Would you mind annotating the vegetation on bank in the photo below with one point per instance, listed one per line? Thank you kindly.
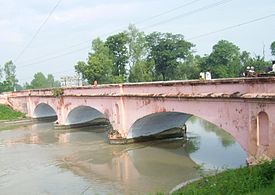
(254, 180)
(7, 113)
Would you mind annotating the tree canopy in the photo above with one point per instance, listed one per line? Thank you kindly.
(41, 81)
(272, 47)
(99, 66)
(8, 73)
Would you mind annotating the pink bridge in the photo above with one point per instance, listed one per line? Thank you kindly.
(245, 108)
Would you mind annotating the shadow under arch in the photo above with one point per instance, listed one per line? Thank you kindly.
(44, 112)
(83, 116)
(157, 123)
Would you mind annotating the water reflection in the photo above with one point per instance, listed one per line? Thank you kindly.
(38, 159)
(138, 167)
(217, 148)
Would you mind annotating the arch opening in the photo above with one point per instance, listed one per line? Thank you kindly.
(262, 129)
(163, 124)
(44, 112)
(85, 116)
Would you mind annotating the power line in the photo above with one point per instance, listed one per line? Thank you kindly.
(167, 12)
(38, 30)
(158, 15)
(231, 27)
(189, 13)
(191, 38)
(53, 57)
(139, 22)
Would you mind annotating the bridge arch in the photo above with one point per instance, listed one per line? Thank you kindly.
(156, 123)
(84, 116)
(44, 111)
(215, 115)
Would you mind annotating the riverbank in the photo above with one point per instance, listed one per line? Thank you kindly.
(7, 114)
(253, 180)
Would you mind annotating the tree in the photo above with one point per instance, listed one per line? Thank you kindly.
(50, 80)
(188, 69)
(9, 70)
(142, 71)
(99, 65)
(39, 81)
(224, 60)
(272, 47)
(258, 62)
(167, 51)
(0, 73)
(137, 45)
(117, 45)
(5, 86)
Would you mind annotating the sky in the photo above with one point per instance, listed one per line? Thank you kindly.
(65, 37)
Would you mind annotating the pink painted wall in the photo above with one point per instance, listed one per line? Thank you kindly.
(233, 104)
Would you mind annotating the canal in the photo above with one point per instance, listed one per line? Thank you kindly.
(36, 159)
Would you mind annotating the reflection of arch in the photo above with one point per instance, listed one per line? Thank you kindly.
(43, 110)
(262, 129)
(84, 115)
(157, 123)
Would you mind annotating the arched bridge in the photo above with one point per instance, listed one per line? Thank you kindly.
(243, 107)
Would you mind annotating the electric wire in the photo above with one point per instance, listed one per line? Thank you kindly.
(37, 31)
(170, 19)
(231, 27)
(191, 38)
(122, 28)
(188, 13)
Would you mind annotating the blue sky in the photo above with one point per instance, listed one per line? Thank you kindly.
(75, 23)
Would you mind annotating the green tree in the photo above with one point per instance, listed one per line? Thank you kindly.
(5, 86)
(50, 80)
(26, 85)
(137, 45)
(0, 73)
(188, 69)
(39, 81)
(99, 66)
(142, 71)
(117, 45)
(9, 70)
(272, 47)
(168, 51)
(224, 60)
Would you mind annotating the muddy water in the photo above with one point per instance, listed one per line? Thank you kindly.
(36, 159)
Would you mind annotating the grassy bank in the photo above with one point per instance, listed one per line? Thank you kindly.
(256, 180)
(7, 113)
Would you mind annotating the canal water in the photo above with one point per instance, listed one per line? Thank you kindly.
(36, 159)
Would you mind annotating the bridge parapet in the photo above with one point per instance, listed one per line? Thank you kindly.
(189, 88)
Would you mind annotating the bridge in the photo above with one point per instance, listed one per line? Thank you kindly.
(243, 107)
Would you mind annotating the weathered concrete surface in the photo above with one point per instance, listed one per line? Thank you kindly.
(243, 107)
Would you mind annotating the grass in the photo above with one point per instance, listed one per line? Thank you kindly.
(254, 180)
(7, 113)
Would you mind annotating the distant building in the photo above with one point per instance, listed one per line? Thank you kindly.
(71, 81)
